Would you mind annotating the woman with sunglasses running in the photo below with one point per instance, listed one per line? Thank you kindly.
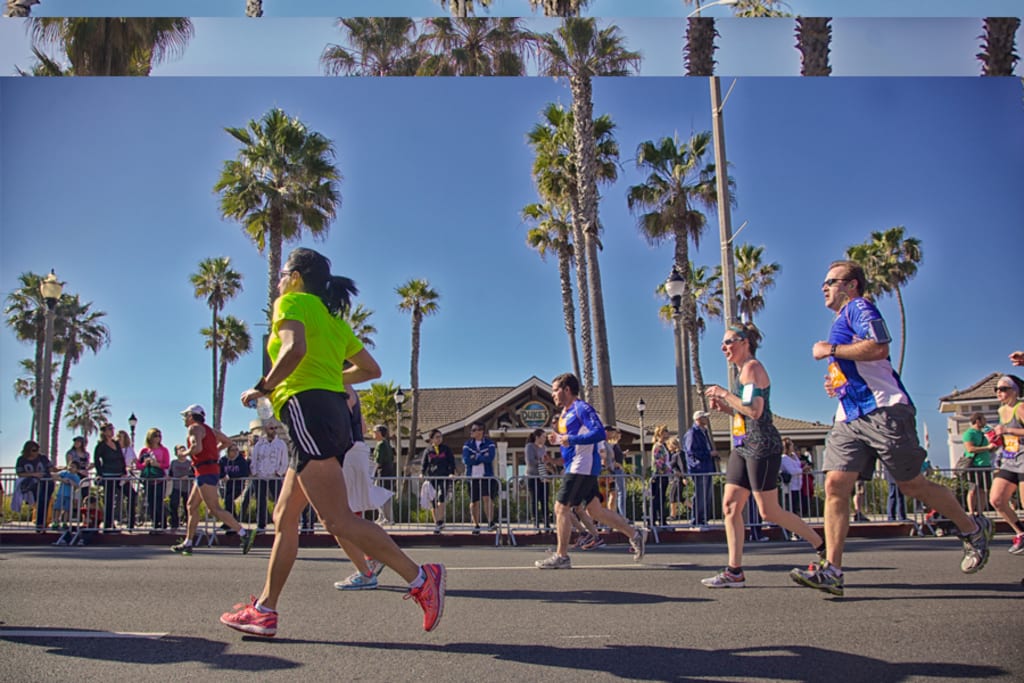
(309, 344)
(756, 457)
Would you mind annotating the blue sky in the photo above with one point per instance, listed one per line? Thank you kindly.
(109, 181)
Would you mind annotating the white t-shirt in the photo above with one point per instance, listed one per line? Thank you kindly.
(792, 464)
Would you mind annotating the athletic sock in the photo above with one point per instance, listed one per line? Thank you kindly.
(264, 610)
(735, 571)
(820, 549)
(418, 581)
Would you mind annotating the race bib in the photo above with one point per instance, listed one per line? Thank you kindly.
(837, 381)
(739, 429)
(1011, 443)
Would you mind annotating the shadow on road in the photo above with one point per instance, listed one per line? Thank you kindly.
(172, 649)
(580, 597)
(798, 663)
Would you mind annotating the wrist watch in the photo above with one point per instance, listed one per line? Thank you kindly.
(832, 351)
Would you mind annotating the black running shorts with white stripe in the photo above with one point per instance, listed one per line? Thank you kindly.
(319, 426)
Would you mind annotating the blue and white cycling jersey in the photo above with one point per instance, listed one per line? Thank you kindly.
(581, 423)
(870, 385)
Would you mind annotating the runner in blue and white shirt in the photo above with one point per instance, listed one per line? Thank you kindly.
(876, 420)
(579, 431)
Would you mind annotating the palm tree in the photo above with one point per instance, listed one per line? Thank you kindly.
(753, 279)
(282, 181)
(377, 405)
(78, 329)
(813, 39)
(463, 8)
(358, 319)
(420, 300)
(700, 46)
(254, 8)
(999, 47)
(474, 47)
(380, 46)
(217, 282)
(45, 66)
(680, 178)
(25, 387)
(555, 174)
(114, 46)
(758, 8)
(234, 341)
(890, 261)
(551, 233)
(580, 51)
(19, 8)
(560, 8)
(87, 411)
(23, 311)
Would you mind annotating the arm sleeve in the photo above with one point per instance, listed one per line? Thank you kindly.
(491, 453)
(467, 456)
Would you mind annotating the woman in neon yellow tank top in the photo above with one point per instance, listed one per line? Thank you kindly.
(309, 345)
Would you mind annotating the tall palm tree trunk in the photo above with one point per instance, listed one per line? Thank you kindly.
(62, 390)
(414, 384)
(813, 39)
(579, 242)
(698, 375)
(273, 261)
(999, 54)
(586, 183)
(903, 330)
(40, 343)
(568, 311)
(218, 406)
(254, 8)
(215, 344)
(700, 46)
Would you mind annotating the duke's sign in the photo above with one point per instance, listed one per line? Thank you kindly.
(534, 414)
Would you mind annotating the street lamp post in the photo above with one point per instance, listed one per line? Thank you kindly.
(675, 287)
(399, 400)
(640, 408)
(50, 288)
(132, 422)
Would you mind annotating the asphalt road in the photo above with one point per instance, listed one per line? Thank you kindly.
(66, 614)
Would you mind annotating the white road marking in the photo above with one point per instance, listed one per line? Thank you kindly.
(579, 637)
(532, 568)
(53, 633)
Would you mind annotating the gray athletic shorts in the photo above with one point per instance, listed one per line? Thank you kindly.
(887, 434)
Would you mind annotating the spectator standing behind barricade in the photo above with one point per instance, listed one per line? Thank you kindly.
(128, 492)
(268, 463)
(660, 457)
(79, 453)
(807, 485)
(478, 455)
(536, 479)
(615, 463)
(875, 421)
(35, 485)
(180, 475)
(154, 461)
(677, 480)
(68, 497)
(384, 456)
(791, 477)
(979, 474)
(1010, 456)
(109, 463)
(89, 520)
(896, 503)
(700, 462)
(234, 475)
(438, 465)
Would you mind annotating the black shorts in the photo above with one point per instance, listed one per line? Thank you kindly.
(442, 489)
(577, 489)
(1012, 477)
(753, 474)
(486, 487)
(319, 427)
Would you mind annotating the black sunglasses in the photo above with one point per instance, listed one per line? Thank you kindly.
(833, 280)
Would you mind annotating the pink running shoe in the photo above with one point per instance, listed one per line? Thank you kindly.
(247, 619)
(430, 596)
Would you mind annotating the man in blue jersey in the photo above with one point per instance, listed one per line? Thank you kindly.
(578, 432)
(875, 420)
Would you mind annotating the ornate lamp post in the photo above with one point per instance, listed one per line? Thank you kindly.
(132, 422)
(675, 288)
(50, 288)
(640, 408)
(399, 400)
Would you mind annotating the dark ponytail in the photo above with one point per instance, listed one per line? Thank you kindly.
(334, 290)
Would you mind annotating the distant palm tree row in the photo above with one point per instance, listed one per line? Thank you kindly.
(464, 45)
(78, 328)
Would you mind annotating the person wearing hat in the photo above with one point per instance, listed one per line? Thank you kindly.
(700, 464)
(78, 453)
(203, 446)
